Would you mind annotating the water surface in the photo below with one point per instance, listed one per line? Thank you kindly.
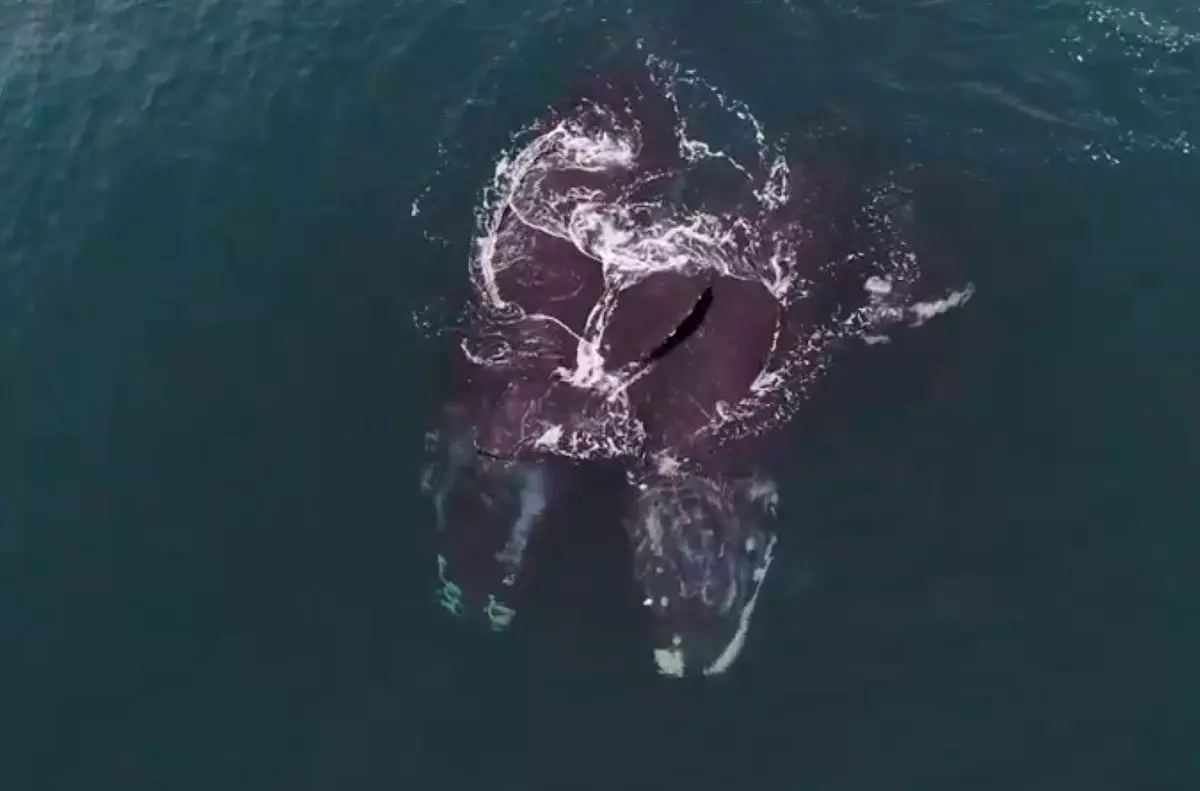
(215, 301)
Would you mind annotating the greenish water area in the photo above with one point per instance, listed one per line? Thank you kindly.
(226, 229)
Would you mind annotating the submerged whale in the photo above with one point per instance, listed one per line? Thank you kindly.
(639, 296)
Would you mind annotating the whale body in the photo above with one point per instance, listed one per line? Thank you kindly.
(637, 298)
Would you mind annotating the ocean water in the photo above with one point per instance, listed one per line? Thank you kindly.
(226, 231)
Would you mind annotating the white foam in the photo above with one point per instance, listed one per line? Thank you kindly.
(924, 311)
(878, 285)
(533, 191)
(550, 438)
(763, 492)
(523, 199)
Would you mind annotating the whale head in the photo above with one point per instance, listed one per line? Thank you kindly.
(702, 549)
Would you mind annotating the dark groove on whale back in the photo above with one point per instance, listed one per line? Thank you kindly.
(691, 322)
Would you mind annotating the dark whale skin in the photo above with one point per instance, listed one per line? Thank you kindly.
(701, 513)
(698, 528)
(491, 489)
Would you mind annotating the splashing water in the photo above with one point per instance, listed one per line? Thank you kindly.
(587, 179)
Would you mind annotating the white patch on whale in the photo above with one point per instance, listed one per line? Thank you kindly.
(531, 504)
(670, 661)
(734, 648)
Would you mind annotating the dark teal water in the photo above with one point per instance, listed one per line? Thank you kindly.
(214, 556)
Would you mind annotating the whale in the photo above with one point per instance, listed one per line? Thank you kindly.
(637, 299)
